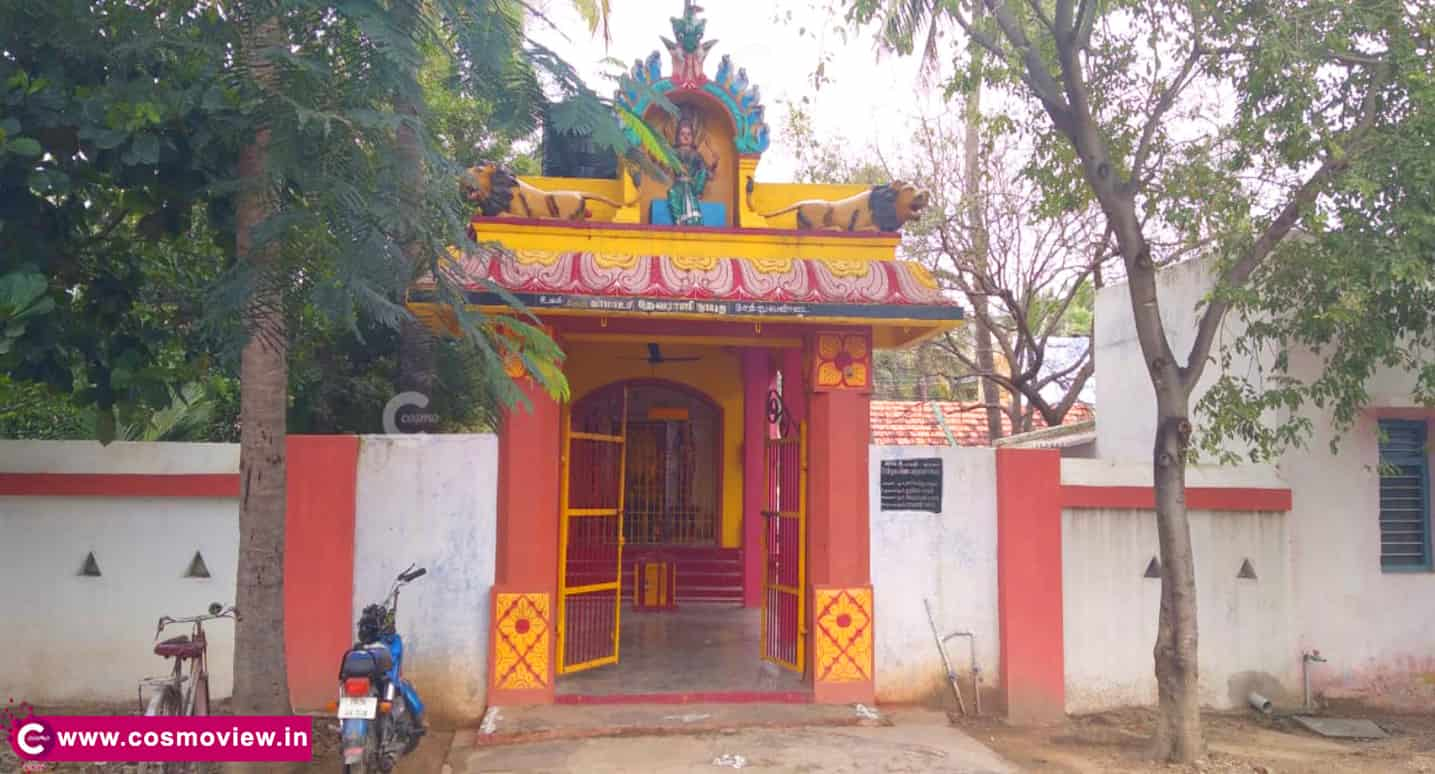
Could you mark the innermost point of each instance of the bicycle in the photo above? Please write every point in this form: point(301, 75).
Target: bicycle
point(180, 694)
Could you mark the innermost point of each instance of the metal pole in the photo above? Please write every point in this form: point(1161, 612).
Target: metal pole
point(946, 665)
point(976, 670)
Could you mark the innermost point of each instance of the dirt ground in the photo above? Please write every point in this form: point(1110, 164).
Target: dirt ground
point(1117, 743)
point(908, 740)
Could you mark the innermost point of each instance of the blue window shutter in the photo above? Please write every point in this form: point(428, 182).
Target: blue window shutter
point(1404, 496)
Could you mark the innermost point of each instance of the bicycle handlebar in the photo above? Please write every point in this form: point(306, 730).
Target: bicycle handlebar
point(228, 612)
point(412, 575)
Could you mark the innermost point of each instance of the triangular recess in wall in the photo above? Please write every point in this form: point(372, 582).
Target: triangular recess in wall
point(90, 568)
point(197, 567)
point(1153, 570)
point(1247, 571)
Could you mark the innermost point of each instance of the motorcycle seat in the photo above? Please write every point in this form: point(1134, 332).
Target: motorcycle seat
point(179, 647)
point(366, 661)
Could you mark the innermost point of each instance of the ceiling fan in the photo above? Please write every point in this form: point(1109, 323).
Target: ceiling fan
point(656, 357)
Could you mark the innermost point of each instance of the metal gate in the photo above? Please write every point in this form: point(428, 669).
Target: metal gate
point(784, 631)
point(591, 538)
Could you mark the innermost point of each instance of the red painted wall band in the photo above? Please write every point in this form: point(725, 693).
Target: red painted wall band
point(1197, 498)
point(321, 496)
point(1029, 601)
point(120, 484)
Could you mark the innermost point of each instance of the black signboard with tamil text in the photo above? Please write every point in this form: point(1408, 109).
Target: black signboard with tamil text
point(912, 485)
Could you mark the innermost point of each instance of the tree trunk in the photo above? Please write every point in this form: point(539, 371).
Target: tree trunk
point(416, 344)
point(1178, 732)
point(972, 176)
point(261, 685)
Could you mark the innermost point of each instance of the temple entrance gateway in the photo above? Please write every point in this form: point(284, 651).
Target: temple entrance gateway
point(718, 338)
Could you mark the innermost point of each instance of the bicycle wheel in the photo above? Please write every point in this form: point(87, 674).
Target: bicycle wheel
point(166, 702)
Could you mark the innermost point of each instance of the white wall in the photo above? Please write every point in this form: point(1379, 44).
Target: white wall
point(1125, 400)
point(949, 558)
point(431, 500)
point(1376, 629)
point(1126, 427)
point(1110, 608)
point(73, 639)
point(81, 639)
point(119, 457)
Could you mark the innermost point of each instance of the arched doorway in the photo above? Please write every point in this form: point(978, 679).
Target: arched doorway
point(673, 472)
point(663, 440)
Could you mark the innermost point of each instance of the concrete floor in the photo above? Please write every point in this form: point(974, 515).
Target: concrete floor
point(915, 741)
point(694, 649)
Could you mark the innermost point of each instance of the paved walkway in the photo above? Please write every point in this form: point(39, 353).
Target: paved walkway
point(694, 649)
point(913, 741)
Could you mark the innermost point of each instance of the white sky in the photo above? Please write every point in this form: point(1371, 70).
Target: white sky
point(867, 102)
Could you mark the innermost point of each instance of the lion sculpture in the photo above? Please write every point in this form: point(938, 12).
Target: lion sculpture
point(499, 193)
point(885, 207)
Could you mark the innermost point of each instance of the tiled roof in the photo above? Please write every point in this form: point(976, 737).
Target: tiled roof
point(914, 422)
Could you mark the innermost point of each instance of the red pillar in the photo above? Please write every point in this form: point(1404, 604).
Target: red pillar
point(319, 505)
point(756, 375)
point(1033, 672)
point(840, 607)
point(523, 611)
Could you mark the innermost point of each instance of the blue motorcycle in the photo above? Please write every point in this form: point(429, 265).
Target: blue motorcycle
point(381, 717)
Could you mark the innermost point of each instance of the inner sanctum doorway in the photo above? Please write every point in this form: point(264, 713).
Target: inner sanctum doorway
point(650, 597)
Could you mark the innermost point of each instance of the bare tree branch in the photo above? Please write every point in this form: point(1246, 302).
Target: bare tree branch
point(981, 38)
point(1163, 104)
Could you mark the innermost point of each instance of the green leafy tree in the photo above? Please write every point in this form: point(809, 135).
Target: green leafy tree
point(101, 174)
point(1217, 128)
point(344, 192)
point(276, 122)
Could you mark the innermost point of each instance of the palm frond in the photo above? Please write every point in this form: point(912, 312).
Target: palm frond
point(654, 144)
point(595, 14)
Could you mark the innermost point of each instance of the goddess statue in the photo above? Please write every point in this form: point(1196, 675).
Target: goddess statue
point(685, 195)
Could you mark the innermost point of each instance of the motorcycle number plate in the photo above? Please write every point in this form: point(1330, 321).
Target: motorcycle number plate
point(364, 708)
